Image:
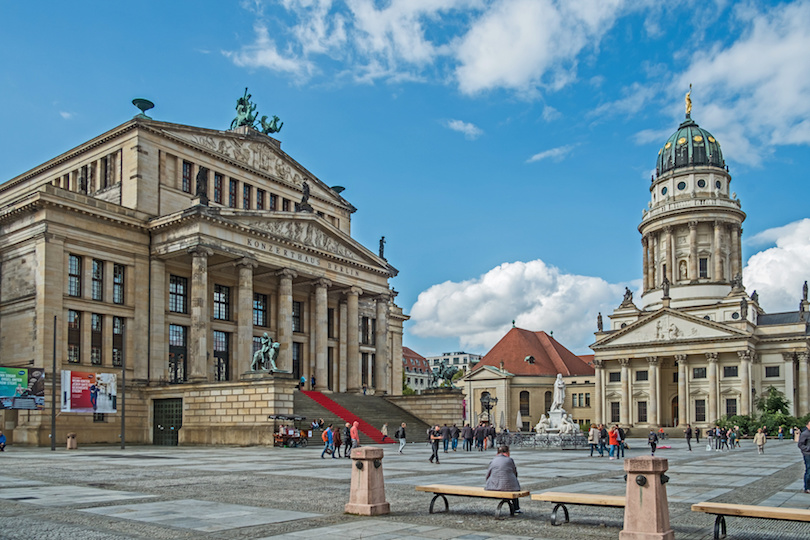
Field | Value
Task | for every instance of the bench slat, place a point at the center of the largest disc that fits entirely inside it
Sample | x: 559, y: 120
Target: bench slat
x: 467, y: 491
x: 617, y: 501
x: 741, y: 510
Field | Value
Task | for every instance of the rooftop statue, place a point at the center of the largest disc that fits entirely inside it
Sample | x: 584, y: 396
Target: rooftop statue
x: 246, y: 115
x: 689, y: 102
x: 382, y: 248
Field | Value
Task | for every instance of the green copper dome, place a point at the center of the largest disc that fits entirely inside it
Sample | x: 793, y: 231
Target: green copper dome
x: 689, y: 146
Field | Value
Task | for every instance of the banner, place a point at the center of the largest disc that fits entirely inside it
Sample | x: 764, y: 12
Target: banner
x: 89, y: 392
x: 22, y: 388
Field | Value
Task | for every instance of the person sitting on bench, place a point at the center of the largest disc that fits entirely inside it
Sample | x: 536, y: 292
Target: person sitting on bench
x: 502, y: 475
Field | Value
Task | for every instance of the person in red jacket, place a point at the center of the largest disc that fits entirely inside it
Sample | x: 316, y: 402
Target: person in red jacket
x: 613, y: 440
x: 354, y: 433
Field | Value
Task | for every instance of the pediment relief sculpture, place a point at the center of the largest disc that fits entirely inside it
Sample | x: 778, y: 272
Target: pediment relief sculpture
x: 669, y: 327
x: 305, y: 233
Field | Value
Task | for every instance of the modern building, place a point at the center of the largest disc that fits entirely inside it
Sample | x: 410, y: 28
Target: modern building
x: 416, y: 369
x: 173, y: 249
x: 461, y: 360
x: 697, y: 345
x: 519, y: 372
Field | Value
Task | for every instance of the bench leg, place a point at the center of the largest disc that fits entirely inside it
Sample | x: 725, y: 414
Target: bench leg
x: 500, y: 504
x: 433, y: 501
x: 719, y: 527
x: 554, y: 514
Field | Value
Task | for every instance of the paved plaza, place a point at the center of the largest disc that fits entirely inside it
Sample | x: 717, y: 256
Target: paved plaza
x: 258, y: 492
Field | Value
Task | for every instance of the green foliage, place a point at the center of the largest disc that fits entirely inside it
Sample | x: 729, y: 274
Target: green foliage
x: 407, y: 390
x: 747, y: 424
x: 773, y: 401
x: 459, y: 374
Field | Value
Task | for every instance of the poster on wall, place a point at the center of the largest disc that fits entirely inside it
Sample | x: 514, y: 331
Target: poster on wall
x: 89, y: 392
x: 22, y: 388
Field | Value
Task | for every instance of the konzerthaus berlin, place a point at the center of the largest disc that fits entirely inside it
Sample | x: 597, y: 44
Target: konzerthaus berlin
x: 172, y: 249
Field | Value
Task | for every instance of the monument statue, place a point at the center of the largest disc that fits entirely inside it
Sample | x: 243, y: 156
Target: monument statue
x: 265, y: 358
x: 543, y: 425
x: 270, y: 127
x: 442, y: 375
x: 382, y: 248
x: 304, y: 205
x: 804, y: 291
x: 688, y: 100
x: 628, y: 296
x: 246, y: 116
x: 737, y: 282
x: 202, y: 185
x: 559, y: 394
x: 755, y: 297
x: 744, y: 308
x: 665, y: 287
x: 599, y: 322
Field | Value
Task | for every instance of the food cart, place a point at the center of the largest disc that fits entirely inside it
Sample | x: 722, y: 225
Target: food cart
x: 290, y: 432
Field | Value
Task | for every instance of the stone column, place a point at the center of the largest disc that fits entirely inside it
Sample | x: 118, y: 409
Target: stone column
x: 321, y: 333
x: 651, y: 262
x: 599, y: 391
x: 713, y: 405
x: 790, y: 385
x: 735, y: 249
x: 756, y: 376
x: 353, y: 339
x: 198, y: 368
x: 652, y: 376
x: 645, y: 268
x: 381, y: 343
x: 284, y: 322
x: 159, y: 294
x: 671, y: 270
x: 683, y: 398
x: 745, y: 381
x: 244, y: 317
x: 804, y: 403
x: 693, y: 251
x: 342, y: 378
x: 624, y: 411
x: 717, y: 253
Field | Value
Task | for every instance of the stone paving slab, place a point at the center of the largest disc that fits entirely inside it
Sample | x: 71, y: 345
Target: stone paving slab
x: 45, y: 495
x: 10, y: 481
x: 385, y: 530
x: 204, y: 516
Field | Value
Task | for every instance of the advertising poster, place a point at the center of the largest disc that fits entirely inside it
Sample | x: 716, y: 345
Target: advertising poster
x: 89, y: 392
x: 22, y: 388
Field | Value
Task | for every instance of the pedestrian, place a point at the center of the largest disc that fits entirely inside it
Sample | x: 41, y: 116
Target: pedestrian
x: 445, y: 431
x: 804, y: 446
x: 688, y: 434
x: 603, y: 439
x: 454, y: 434
x: 347, y: 440
x: 328, y: 441
x: 620, y: 453
x: 337, y: 442
x: 400, y: 434
x: 593, y: 438
x: 365, y: 389
x: 384, y: 431
x: 479, y: 436
x: 2, y: 442
x: 354, y: 432
x: 732, y: 439
x: 491, y: 435
x: 502, y: 475
x: 759, y: 440
x: 781, y: 433
x: 435, y: 436
x: 312, y: 382
x: 697, y: 435
x: 613, y: 439
x: 652, y: 440
x: 467, y: 435
x: 303, y: 382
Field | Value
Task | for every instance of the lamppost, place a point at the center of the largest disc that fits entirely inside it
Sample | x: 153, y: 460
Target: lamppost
x: 487, y: 403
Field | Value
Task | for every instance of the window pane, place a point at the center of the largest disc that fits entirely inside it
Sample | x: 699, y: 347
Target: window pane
x: 222, y: 302
x: 178, y: 294
x: 118, y: 283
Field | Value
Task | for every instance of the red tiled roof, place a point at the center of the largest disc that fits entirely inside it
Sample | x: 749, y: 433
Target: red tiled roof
x: 410, y: 353
x: 419, y: 361
x: 550, y: 357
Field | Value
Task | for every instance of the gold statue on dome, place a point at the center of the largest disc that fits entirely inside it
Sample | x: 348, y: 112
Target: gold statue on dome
x: 689, y: 102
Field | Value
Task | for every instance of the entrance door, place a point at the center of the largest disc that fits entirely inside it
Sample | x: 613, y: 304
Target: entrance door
x: 675, y: 411
x: 167, y: 420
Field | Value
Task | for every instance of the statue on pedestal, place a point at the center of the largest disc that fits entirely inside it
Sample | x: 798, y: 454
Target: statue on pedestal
x: 543, y: 425
x: 559, y: 394
x: 265, y: 358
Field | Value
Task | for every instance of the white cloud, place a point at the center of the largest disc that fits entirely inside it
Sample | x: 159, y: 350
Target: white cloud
x: 556, y: 154
x: 537, y: 296
x: 550, y: 113
x: 264, y: 53
x: 66, y: 115
x: 777, y: 273
x: 470, y: 131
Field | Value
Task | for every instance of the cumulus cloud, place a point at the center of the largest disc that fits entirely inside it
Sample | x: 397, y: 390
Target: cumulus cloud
x: 535, y: 295
x: 470, y: 131
x: 66, y: 115
x: 556, y: 154
x: 264, y: 53
x: 777, y: 273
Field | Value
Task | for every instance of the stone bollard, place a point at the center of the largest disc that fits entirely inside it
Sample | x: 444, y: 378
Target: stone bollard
x: 72, y: 443
x: 368, y: 486
x: 646, y: 514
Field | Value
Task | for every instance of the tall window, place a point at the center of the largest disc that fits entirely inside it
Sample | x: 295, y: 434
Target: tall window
x: 178, y: 294
x: 285, y: 205
x: 642, y: 411
x: 118, y: 342
x: 587, y: 399
x: 296, y: 359
x: 703, y: 265
x: 700, y: 410
x: 731, y: 407
x: 104, y: 173
x: 74, y: 275
x: 260, y: 309
x: 368, y: 328
x: 524, y: 403
x: 74, y: 336
x: 273, y: 202
x: 118, y: 283
x: 96, y: 325
x: 222, y: 302
x: 232, y: 193
x: 98, y: 280
x: 221, y: 356
x: 330, y: 322
x: 246, y: 189
x: 178, y: 352
x: 217, y: 188
x: 187, y: 167
x: 297, y: 318
x: 260, y: 199
x: 614, y: 411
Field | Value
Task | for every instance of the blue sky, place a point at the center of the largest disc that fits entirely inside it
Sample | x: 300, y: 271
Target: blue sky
x: 503, y: 147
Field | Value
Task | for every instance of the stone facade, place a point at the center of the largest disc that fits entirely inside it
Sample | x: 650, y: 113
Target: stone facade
x: 171, y: 250
x: 439, y: 406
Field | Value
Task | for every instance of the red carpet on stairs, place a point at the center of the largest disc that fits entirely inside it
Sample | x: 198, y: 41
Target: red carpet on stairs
x: 367, y: 429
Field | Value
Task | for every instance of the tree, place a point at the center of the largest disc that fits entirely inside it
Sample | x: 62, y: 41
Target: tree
x: 773, y: 401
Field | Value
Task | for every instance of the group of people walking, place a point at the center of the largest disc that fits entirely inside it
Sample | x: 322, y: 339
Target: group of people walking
x: 333, y: 439
x: 601, y: 439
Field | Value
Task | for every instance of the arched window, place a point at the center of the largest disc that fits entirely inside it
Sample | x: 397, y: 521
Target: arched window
x: 548, y: 400
x: 524, y: 403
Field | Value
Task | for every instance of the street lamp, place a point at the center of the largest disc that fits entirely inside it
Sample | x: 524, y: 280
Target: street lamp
x: 487, y: 403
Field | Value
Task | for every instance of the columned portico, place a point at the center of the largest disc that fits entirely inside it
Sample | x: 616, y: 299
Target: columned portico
x: 381, y: 343
x: 713, y: 407
x: 200, y: 323
x: 244, y: 316
x: 321, y: 365
x: 790, y: 383
x: 624, y: 411
x: 652, y: 413
x: 599, y: 391
x: 804, y: 399
x: 683, y: 397
x: 353, y: 339
x: 284, y: 328
x: 745, y: 381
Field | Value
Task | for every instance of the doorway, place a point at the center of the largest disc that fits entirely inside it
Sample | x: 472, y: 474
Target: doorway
x: 167, y: 419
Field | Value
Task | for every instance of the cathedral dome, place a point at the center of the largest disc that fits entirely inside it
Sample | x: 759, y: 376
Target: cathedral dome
x: 689, y: 146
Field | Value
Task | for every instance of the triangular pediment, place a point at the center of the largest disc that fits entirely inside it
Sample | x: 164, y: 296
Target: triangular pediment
x: 669, y: 326
x: 258, y: 152
x: 487, y: 373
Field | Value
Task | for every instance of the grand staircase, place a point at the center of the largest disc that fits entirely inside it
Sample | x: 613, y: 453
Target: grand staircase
x: 371, y: 411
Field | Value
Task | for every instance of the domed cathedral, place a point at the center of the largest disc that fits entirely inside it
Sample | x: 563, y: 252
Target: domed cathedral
x: 700, y: 346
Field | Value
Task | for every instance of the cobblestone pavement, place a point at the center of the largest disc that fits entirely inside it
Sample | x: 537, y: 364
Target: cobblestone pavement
x: 258, y: 492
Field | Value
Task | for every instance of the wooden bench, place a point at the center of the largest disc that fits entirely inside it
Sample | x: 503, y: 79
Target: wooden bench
x: 721, y: 510
x: 560, y: 499
x: 443, y: 490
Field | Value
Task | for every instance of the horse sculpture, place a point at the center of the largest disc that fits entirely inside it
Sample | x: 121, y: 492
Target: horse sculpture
x: 265, y: 358
x: 442, y: 376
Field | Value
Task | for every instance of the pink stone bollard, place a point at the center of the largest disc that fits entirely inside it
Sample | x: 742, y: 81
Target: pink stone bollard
x: 646, y: 514
x: 367, y: 496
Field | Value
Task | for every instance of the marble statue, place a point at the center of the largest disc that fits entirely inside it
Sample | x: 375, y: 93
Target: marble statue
x: 559, y: 394
x: 665, y: 287
x: 543, y: 425
x: 265, y: 358
x: 599, y: 322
